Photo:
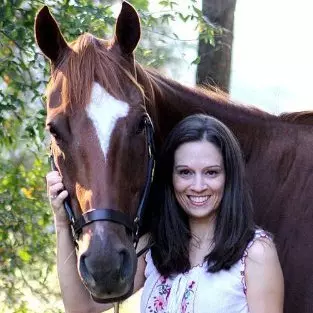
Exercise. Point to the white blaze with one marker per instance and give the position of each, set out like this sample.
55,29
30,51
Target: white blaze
104,110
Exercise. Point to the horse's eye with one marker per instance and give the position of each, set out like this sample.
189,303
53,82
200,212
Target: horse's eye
53,131
141,126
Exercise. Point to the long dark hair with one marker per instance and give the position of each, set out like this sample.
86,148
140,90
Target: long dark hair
234,221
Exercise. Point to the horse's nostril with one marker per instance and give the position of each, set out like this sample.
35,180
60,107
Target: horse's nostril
85,272
83,265
125,262
83,261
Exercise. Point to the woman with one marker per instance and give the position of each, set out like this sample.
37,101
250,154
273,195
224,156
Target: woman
207,255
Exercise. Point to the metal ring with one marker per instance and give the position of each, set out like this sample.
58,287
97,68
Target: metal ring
53,197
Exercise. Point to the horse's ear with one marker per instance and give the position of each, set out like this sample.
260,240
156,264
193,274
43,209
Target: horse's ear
127,29
48,36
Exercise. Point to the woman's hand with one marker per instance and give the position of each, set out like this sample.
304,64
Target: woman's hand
57,194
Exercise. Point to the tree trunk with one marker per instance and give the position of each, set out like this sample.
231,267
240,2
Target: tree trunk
215,61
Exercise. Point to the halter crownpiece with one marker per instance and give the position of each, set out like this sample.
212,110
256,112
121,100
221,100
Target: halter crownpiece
133,226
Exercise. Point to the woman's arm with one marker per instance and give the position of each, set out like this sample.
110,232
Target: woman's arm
75,296
264,278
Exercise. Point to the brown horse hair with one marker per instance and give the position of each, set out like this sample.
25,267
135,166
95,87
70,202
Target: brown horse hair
304,117
206,92
86,62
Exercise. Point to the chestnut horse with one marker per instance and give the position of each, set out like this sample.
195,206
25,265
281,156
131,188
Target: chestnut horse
98,98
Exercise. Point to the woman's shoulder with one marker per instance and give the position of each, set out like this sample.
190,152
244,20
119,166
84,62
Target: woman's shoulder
144,240
144,244
262,250
261,247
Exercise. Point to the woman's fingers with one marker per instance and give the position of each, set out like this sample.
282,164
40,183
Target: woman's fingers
52,178
57,195
58,198
55,189
57,203
54,184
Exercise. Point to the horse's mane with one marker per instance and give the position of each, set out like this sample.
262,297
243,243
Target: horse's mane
304,117
223,97
205,96
217,95
86,62
301,117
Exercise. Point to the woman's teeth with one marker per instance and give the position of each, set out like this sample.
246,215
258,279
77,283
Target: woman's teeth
198,200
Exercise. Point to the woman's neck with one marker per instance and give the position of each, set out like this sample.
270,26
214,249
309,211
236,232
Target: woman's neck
202,230
201,242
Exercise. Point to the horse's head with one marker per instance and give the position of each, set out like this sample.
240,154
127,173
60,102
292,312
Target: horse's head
96,116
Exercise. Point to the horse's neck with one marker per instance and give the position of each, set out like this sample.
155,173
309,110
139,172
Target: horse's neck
174,101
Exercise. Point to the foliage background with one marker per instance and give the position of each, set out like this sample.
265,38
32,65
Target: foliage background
27,242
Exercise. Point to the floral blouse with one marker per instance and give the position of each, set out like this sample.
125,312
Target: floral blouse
197,291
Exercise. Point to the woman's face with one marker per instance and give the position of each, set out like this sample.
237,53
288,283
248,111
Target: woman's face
199,178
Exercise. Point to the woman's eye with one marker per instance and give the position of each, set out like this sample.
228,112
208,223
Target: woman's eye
212,172
184,172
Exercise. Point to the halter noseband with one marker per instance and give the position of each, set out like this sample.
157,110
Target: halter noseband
114,216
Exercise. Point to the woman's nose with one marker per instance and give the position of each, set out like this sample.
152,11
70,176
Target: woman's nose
199,183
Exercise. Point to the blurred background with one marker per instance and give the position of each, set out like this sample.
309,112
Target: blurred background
259,51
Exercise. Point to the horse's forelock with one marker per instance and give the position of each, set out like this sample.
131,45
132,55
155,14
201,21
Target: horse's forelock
88,61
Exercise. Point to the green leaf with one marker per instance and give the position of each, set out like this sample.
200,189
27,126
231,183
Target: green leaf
196,60
24,255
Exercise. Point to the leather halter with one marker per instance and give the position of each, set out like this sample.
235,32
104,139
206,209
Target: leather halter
133,226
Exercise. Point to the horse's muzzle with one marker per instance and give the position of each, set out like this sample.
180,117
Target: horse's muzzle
108,275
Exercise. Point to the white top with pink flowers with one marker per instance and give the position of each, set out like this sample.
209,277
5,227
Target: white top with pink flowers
197,291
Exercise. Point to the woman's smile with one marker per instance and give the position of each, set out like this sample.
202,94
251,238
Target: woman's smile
198,200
